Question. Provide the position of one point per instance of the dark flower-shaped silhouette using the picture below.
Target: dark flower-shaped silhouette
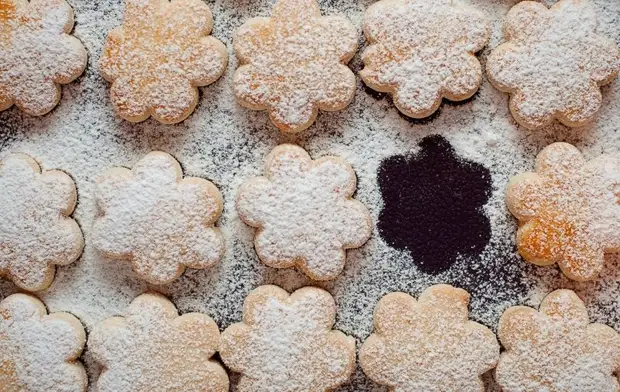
(433, 205)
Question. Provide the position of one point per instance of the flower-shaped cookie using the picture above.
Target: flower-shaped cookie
(159, 56)
(553, 63)
(568, 211)
(304, 212)
(428, 345)
(286, 343)
(37, 53)
(36, 232)
(157, 219)
(39, 352)
(556, 349)
(422, 51)
(153, 349)
(293, 64)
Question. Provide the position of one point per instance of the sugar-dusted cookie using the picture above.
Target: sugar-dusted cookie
(568, 210)
(36, 231)
(304, 212)
(153, 349)
(428, 345)
(158, 57)
(422, 51)
(556, 349)
(157, 219)
(39, 352)
(37, 53)
(293, 64)
(286, 343)
(553, 63)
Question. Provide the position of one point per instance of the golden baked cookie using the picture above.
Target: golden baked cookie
(158, 57)
(422, 51)
(286, 343)
(553, 63)
(36, 230)
(304, 212)
(157, 219)
(39, 352)
(568, 210)
(153, 349)
(556, 349)
(37, 54)
(428, 345)
(293, 64)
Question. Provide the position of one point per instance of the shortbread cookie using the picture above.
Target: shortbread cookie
(293, 64)
(422, 51)
(36, 231)
(153, 349)
(37, 54)
(158, 57)
(157, 219)
(286, 343)
(553, 63)
(39, 352)
(568, 210)
(304, 212)
(556, 349)
(428, 345)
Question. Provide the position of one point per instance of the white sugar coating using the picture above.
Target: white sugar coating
(37, 53)
(36, 232)
(554, 62)
(422, 51)
(556, 348)
(158, 220)
(286, 343)
(304, 212)
(293, 63)
(38, 352)
(158, 57)
(152, 348)
(227, 144)
(428, 344)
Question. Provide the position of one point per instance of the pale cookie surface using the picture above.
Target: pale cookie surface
(153, 349)
(39, 352)
(569, 210)
(158, 57)
(422, 51)
(429, 344)
(286, 343)
(37, 53)
(553, 63)
(555, 349)
(304, 212)
(157, 219)
(293, 64)
(36, 232)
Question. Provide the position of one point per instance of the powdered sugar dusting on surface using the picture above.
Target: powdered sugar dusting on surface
(158, 220)
(304, 212)
(37, 54)
(227, 144)
(554, 62)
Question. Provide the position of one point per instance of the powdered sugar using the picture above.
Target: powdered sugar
(422, 51)
(37, 53)
(304, 212)
(292, 63)
(36, 232)
(286, 344)
(158, 220)
(553, 63)
(38, 352)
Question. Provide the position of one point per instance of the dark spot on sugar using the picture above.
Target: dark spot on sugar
(433, 205)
